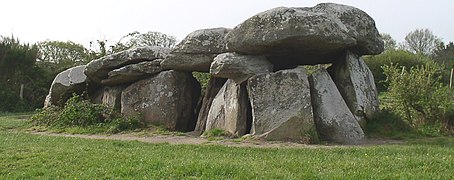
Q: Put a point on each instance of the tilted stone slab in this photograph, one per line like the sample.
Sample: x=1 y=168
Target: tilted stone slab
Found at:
x=229 y=109
x=333 y=119
x=212 y=89
x=356 y=84
x=133 y=72
x=98 y=69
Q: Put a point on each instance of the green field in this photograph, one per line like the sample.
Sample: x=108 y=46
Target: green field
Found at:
x=24 y=156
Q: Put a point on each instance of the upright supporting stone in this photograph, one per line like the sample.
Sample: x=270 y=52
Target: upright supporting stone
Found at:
x=166 y=99
x=333 y=119
x=281 y=106
x=213 y=87
x=229 y=109
x=356 y=84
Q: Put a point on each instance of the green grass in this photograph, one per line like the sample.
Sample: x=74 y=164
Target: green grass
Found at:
x=28 y=156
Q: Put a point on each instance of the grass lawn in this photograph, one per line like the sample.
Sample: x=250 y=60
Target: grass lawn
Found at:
x=24 y=156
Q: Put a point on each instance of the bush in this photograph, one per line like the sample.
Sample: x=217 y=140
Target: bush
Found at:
x=389 y=57
x=417 y=96
x=79 y=112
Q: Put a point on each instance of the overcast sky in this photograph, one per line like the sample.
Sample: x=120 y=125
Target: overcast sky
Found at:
x=85 y=20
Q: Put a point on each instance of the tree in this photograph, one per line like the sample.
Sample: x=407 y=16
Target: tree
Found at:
x=60 y=55
x=422 y=41
x=17 y=68
x=390 y=43
x=150 y=38
x=445 y=55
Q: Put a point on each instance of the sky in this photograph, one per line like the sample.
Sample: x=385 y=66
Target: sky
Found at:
x=83 y=21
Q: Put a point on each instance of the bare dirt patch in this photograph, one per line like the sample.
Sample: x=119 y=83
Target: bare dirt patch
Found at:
x=188 y=138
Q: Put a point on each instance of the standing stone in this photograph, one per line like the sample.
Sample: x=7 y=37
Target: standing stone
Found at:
x=72 y=80
x=197 y=50
x=281 y=106
x=333 y=119
x=306 y=35
x=229 y=110
x=112 y=97
x=212 y=89
x=165 y=99
x=98 y=69
x=356 y=84
x=239 y=67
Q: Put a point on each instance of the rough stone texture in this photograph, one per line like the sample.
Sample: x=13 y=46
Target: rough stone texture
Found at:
x=239 y=67
x=188 y=62
x=229 y=109
x=356 y=84
x=166 y=99
x=112 y=97
x=308 y=35
x=333 y=119
x=72 y=80
x=212 y=89
x=281 y=106
x=197 y=50
x=133 y=72
x=98 y=69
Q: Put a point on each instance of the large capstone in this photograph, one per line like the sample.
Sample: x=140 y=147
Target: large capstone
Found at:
x=281 y=106
x=333 y=119
x=238 y=67
x=212 y=89
x=72 y=80
x=98 y=69
x=166 y=99
x=229 y=110
x=197 y=50
x=133 y=72
x=307 y=35
x=356 y=84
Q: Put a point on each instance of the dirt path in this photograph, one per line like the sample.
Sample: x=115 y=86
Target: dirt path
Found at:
x=190 y=139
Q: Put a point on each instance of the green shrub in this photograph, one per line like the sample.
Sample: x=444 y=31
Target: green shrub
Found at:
x=388 y=124
x=389 y=57
x=417 y=95
x=79 y=112
x=202 y=78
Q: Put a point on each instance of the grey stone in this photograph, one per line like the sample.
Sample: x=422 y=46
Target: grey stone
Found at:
x=308 y=35
x=111 y=97
x=197 y=50
x=212 y=89
x=133 y=72
x=98 y=69
x=356 y=84
x=333 y=119
x=239 y=67
x=72 y=80
x=165 y=99
x=229 y=110
x=281 y=106
x=188 y=62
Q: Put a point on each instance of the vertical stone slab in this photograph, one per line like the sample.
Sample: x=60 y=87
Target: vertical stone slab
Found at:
x=333 y=119
x=165 y=99
x=229 y=109
x=281 y=106
x=356 y=84
x=212 y=89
